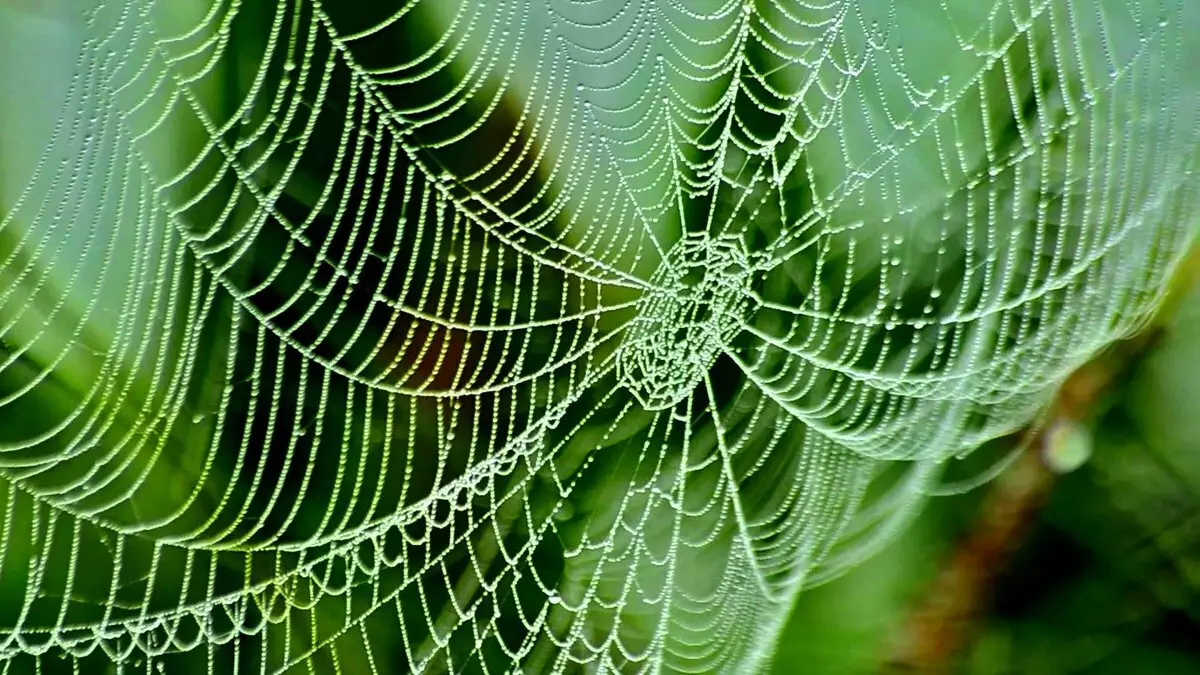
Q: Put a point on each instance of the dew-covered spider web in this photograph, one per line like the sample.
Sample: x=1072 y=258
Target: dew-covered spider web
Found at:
x=484 y=336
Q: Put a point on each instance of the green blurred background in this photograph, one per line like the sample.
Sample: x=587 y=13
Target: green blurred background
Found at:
x=1102 y=580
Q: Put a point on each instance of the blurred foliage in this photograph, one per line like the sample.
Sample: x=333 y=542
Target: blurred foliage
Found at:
x=1106 y=582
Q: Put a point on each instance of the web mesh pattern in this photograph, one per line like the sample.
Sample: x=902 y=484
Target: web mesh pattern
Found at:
x=486 y=335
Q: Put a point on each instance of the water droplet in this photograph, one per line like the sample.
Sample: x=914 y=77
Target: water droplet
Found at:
x=564 y=512
x=289 y=66
x=1066 y=446
x=935 y=293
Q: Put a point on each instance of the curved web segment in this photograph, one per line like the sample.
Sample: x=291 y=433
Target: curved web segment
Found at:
x=468 y=336
x=1016 y=211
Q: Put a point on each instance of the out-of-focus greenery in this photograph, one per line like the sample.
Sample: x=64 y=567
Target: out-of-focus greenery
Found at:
x=1107 y=581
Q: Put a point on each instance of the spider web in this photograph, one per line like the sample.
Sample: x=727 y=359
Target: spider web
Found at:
x=556 y=336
